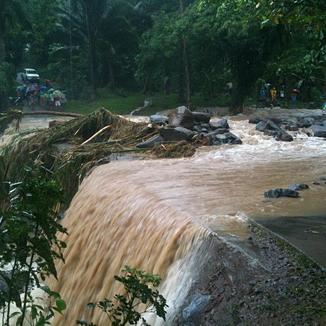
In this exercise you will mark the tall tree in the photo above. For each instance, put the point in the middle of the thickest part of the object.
(84, 18)
(11, 12)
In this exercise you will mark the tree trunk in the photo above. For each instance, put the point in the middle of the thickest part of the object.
(187, 73)
(181, 93)
(111, 73)
(185, 63)
(2, 48)
(238, 96)
(2, 37)
(91, 48)
(92, 66)
(324, 81)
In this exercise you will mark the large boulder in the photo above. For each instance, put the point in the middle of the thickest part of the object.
(261, 126)
(217, 132)
(201, 117)
(283, 136)
(220, 124)
(226, 138)
(280, 192)
(305, 122)
(159, 119)
(291, 126)
(271, 128)
(183, 117)
(265, 125)
(149, 143)
(176, 134)
(319, 131)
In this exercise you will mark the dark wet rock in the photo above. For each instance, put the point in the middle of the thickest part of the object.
(182, 117)
(193, 313)
(261, 125)
(291, 126)
(280, 192)
(205, 125)
(284, 136)
(197, 128)
(319, 131)
(270, 128)
(201, 117)
(218, 132)
(267, 125)
(176, 134)
(298, 186)
(220, 124)
(226, 138)
(316, 183)
(159, 119)
(157, 139)
(276, 120)
(305, 122)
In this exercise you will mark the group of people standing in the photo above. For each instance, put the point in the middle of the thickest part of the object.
(272, 95)
(34, 93)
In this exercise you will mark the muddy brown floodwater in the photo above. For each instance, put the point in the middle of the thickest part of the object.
(159, 215)
(154, 214)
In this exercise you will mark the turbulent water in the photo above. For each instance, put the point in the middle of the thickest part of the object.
(155, 215)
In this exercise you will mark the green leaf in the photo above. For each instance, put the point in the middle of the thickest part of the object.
(61, 305)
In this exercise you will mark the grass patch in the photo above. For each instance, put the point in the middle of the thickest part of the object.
(115, 103)
(126, 103)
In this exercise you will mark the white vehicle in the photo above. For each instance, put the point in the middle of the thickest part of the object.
(31, 74)
(28, 74)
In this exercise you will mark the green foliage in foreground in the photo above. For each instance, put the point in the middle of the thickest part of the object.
(29, 247)
(141, 296)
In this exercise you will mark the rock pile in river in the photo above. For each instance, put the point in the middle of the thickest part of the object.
(314, 125)
(272, 128)
(197, 127)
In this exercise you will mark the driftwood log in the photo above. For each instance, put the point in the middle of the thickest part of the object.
(64, 114)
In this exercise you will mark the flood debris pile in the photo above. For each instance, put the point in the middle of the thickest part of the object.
(70, 149)
(312, 125)
(174, 150)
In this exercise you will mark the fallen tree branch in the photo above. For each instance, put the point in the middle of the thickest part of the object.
(64, 114)
(96, 134)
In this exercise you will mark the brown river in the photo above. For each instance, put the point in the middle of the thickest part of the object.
(154, 214)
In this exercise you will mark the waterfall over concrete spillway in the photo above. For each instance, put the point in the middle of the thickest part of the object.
(112, 223)
(159, 215)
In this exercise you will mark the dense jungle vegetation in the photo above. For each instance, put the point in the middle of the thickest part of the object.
(190, 48)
